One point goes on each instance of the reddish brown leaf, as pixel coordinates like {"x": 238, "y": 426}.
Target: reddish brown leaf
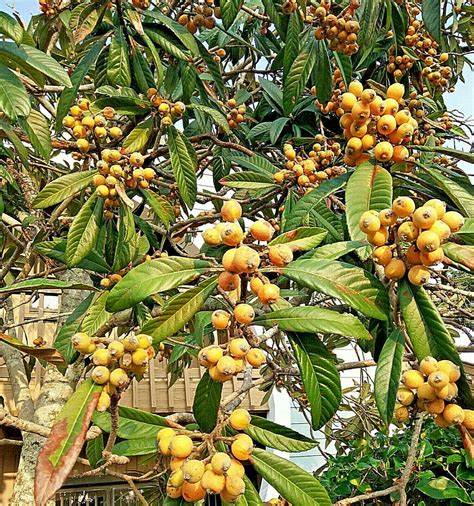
{"x": 42, "y": 353}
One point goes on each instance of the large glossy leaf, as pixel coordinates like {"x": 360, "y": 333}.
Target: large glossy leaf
{"x": 42, "y": 353}
{"x": 431, "y": 12}
{"x": 292, "y": 43}
{"x": 353, "y": 285}
{"x": 62, "y": 188}
{"x": 319, "y": 375}
{"x": 133, "y": 423}
{"x": 59, "y": 454}
{"x": 229, "y": 11}
{"x": 387, "y": 374}
{"x": 137, "y": 139}
{"x": 184, "y": 164}
{"x": 118, "y": 63}
{"x": 133, "y": 447}
{"x": 337, "y": 249}
{"x": 70, "y": 94}
{"x": 84, "y": 230}
{"x": 295, "y": 485}
{"x": 14, "y": 101}
{"x": 427, "y": 332}
{"x": 10, "y": 27}
{"x": 37, "y": 128}
{"x": 460, "y": 253}
{"x": 43, "y": 284}
{"x": 314, "y": 319}
{"x": 298, "y": 75}
{"x": 96, "y": 315}
{"x": 206, "y": 402}
{"x": 160, "y": 206}
{"x": 466, "y": 234}
{"x": 94, "y": 449}
{"x": 323, "y": 73}
{"x": 216, "y": 116}
{"x": 277, "y": 436}
{"x": 248, "y": 180}
{"x": 301, "y": 211}
{"x": 369, "y": 187}
{"x": 159, "y": 275}
{"x": 178, "y": 311}
{"x": 301, "y": 239}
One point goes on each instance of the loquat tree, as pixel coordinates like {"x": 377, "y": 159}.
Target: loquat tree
{"x": 249, "y": 184}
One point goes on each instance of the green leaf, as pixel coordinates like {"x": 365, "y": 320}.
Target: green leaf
{"x": 206, "y": 402}
{"x": 133, "y": 423}
{"x": 17, "y": 143}
{"x": 295, "y": 485}
{"x": 301, "y": 239}
{"x": 84, "y": 230}
{"x": 355, "y": 286}
{"x": 441, "y": 489}
{"x": 14, "y": 100}
{"x": 319, "y": 375}
{"x": 460, "y": 254}
{"x": 60, "y": 451}
{"x": 216, "y": 116}
{"x": 70, "y": 94}
{"x": 455, "y": 153}
{"x": 167, "y": 42}
{"x": 94, "y": 450}
{"x": 160, "y": 206}
{"x": 344, "y": 64}
{"x": 85, "y": 17}
{"x": 337, "y": 249}
{"x": 118, "y": 63}
{"x": 155, "y": 276}
{"x": 37, "y": 128}
{"x": 369, "y": 187}
{"x": 96, "y": 315}
{"x": 323, "y": 73}
{"x": 277, "y": 436}
{"x": 229, "y": 11}
{"x": 431, "y": 12}
{"x": 137, "y": 139}
{"x": 178, "y": 311}
{"x": 427, "y": 332}
{"x": 43, "y": 284}
{"x": 466, "y": 234}
{"x": 10, "y": 27}
{"x": 184, "y": 165}
{"x": 277, "y": 128}
{"x": 292, "y": 43}
{"x": 134, "y": 447}
{"x": 302, "y": 209}
{"x": 298, "y": 76}
{"x": 63, "y": 187}
{"x": 314, "y": 319}
{"x": 248, "y": 180}
{"x": 50, "y": 355}
{"x": 388, "y": 373}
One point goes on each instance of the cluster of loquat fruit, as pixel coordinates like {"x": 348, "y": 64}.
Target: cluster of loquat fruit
{"x": 413, "y": 234}
{"x": 338, "y": 88}
{"x": 199, "y": 15}
{"x": 309, "y": 170}
{"x": 49, "y": 7}
{"x": 115, "y": 361}
{"x": 289, "y": 6}
{"x": 372, "y": 123}
{"x": 85, "y": 126}
{"x": 169, "y": 111}
{"x": 340, "y": 30}
{"x": 197, "y": 469}
{"x": 432, "y": 388}
{"x": 236, "y": 114}
{"x": 119, "y": 169}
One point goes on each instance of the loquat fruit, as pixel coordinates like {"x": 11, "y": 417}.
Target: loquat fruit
{"x": 382, "y": 255}
{"x": 255, "y": 357}
{"x": 221, "y": 462}
{"x": 403, "y": 206}
{"x": 244, "y": 313}
{"x": 268, "y": 293}
{"x": 454, "y": 220}
{"x": 438, "y": 379}
{"x": 428, "y": 241}
{"x": 261, "y": 230}
{"x": 220, "y": 319}
{"x": 280, "y": 255}
{"x": 231, "y": 211}
{"x": 453, "y": 414}
{"x": 405, "y": 396}
{"x": 412, "y": 379}
{"x": 452, "y": 370}
{"x": 395, "y": 269}
{"x": 242, "y": 447}
{"x": 181, "y": 446}
{"x": 193, "y": 470}
{"x": 407, "y": 232}
{"x": 193, "y": 492}
{"x": 238, "y": 347}
{"x": 228, "y": 281}
{"x": 428, "y": 365}
{"x": 426, "y": 392}
{"x": 240, "y": 419}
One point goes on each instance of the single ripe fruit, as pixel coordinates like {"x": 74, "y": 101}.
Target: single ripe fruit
{"x": 407, "y": 232}
{"x": 261, "y": 230}
{"x": 452, "y": 370}
{"x": 226, "y": 366}
{"x": 228, "y": 260}
{"x": 403, "y": 206}
{"x": 382, "y": 255}
{"x": 193, "y": 492}
{"x": 176, "y": 478}
{"x": 181, "y": 446}
{"x": 402, "y": 414}
{"x": 193, "y": 470}
{"x": 118, "y": 378}
{"x": 454, "y": 220}
{"x": 231, "y": 211}
{"x": 413, "y": 379}
{"x": 100, "y": 375}
{"x": 438, "y": 379}
{"x": 81, "y": 342}
{"x": 356, "y": 88}
{"x": 369, "y": 222}
{"x": 166, "y": 433}
{"x": 234, "y": 485}
{"x": 255, "y": 357}
{"x": 238, "y": 347}
{"x": 213, "y": 482}
{"x": 405, "y": 396}
{"x": 280, "y": 255}
{"x": 435, "y": 407}
{"x": 426, "y": 392}
{"x": 383, "y": 151}
{"x": 139, "y": 357}
{"x": 428, "y": 365}
{"x": 418, "y": 275}
{"x": 378, "y": 238}
{"x": 441, "y": 228}
{"x": 242, "y": 447}
{"x": 428, "y": 241}
{"x": 228, "y": 281}
{"x": 424, "y": 217}
{"x": 269, "y": 293}
{"x": 232, "y": 234}
{"x": 173, "y": 492}
{"x": 130, "y": 343}
{"x": 220, "y": 319}
{"x": 136, "y": 159}
{"x": 255, "y": 284}
{"x": 245, "y": 259}
{"x": 210, "y": 355}
{"x": 433, "y": 257}
{"x": 236, "y": 469}
{"x": 413, "y": 255}
{"x": 240, "y": 419}
{"x": 453, "y": 414}
{"x": 395, "y": 269}
{"x": 221, "y": 462}
{"x": 439, "y": 206}
{"x": 212, "y": 237}
{"x": 396, "y": 91}
{"x": 448, "y": 392}
{"x": 101, "y": 357}
{"x": 387, "y": 217}
{"x": 103, "y": 403}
